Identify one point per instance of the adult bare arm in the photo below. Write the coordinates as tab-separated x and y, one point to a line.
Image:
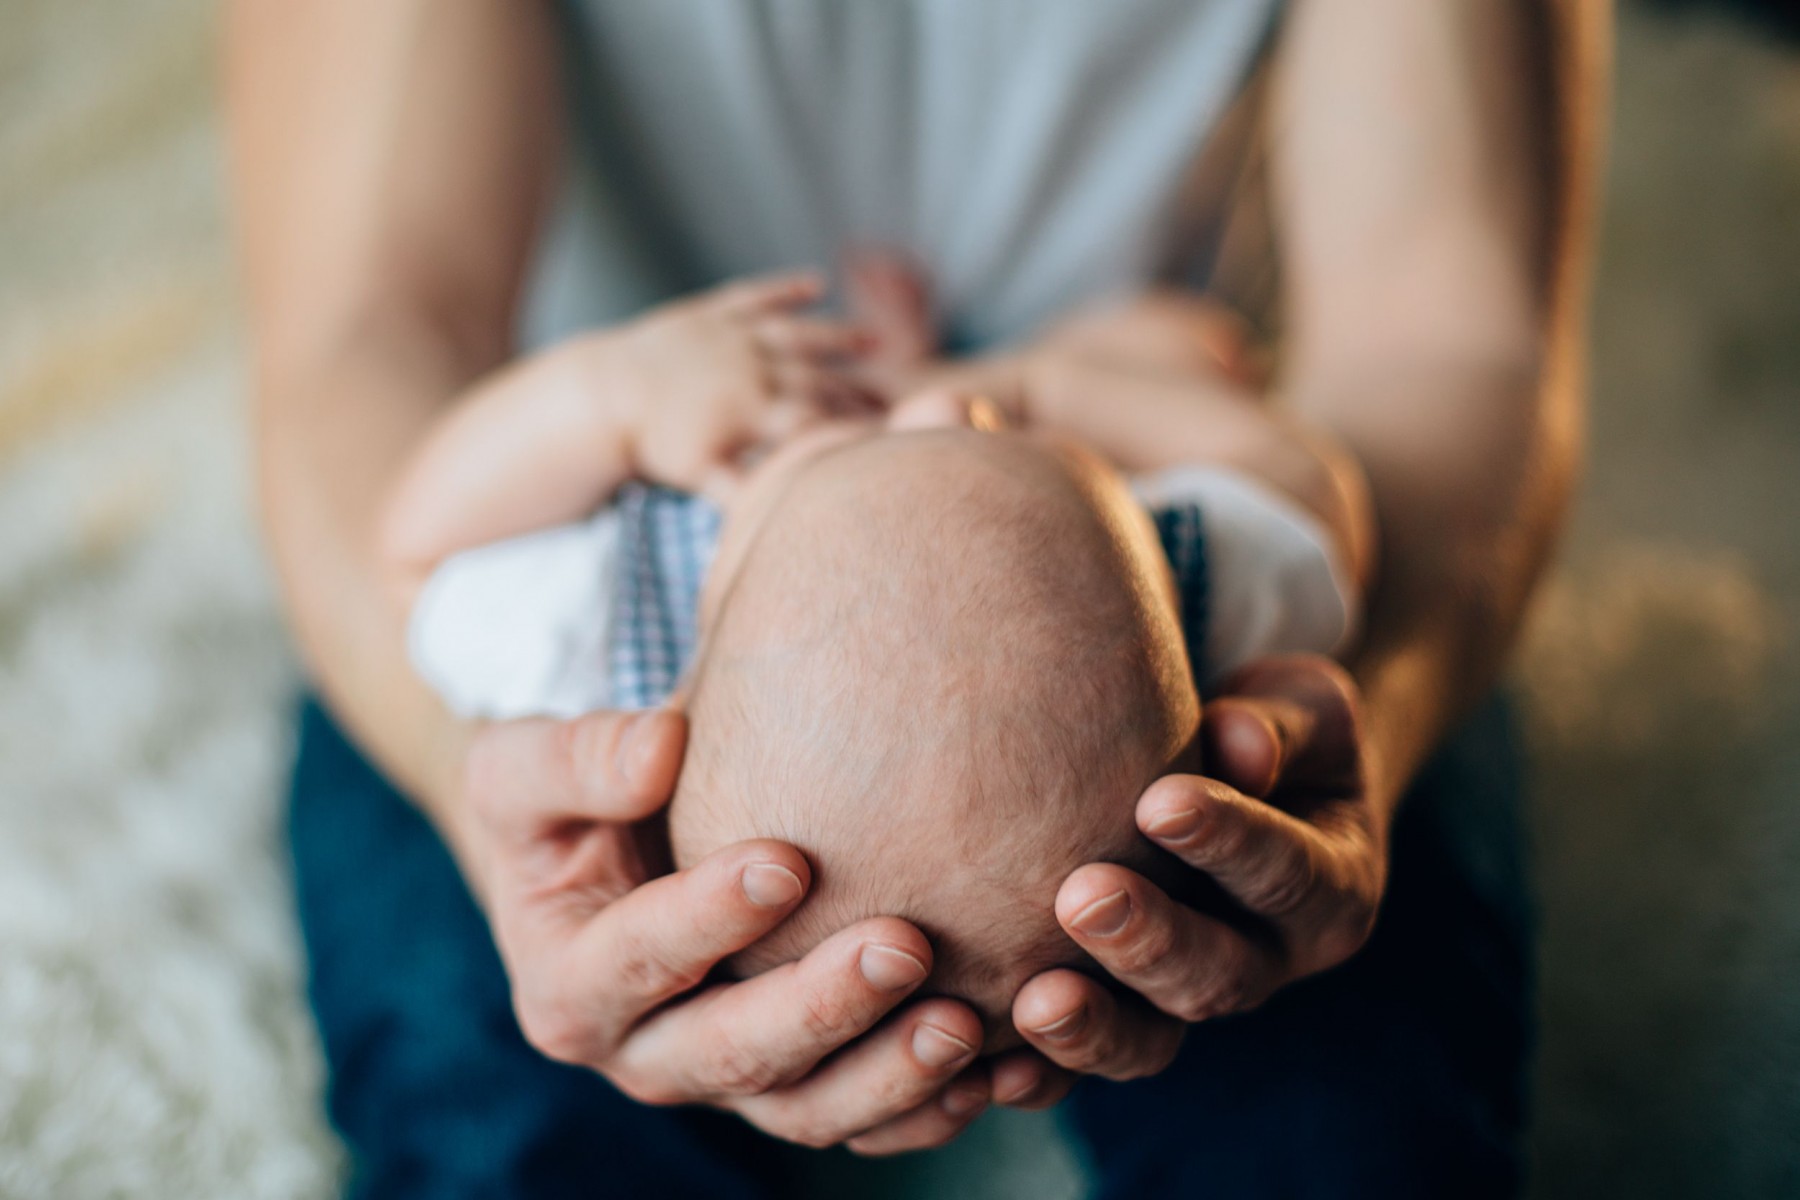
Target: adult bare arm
391	164
1433	207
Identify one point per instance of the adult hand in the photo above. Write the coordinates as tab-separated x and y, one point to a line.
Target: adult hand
607	955
1288	828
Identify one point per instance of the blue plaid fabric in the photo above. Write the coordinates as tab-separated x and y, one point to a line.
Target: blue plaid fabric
666	544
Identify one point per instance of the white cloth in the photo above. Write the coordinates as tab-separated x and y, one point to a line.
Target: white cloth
1277	582
521	628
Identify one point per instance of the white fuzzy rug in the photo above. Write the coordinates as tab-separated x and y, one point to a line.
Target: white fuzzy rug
154	1039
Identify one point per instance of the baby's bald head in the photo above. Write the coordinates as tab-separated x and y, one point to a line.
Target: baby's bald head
945	669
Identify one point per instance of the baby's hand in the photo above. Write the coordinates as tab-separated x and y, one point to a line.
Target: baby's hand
731	371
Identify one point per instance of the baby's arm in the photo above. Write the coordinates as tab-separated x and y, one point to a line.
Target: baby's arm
673	397
1158	383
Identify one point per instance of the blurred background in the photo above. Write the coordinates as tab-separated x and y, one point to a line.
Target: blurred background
153	1039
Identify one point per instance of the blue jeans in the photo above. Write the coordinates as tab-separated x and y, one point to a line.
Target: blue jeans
1398	1075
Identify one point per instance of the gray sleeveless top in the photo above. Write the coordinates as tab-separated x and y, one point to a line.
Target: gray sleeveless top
1030	154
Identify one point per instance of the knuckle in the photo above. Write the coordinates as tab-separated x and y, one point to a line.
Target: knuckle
794	1122
1344	938
1223	991
1224	838
1152	945
1153	1056
1281	888
653	1091
825	1017
1091	1053
641	971
732	1069
816	1136
587	749
554	1031
1200	1004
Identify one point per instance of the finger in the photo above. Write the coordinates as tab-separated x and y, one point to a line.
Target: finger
584	983
762	293
1083	1027
813	338
787	416
1270	862
934	1123
821	394
604	766
1189	965
892	1071
748	1037
820	389
1025	1079
1292	718
890	295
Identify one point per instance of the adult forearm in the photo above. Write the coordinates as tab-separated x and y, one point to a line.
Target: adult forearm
1470	460
390	165
332	435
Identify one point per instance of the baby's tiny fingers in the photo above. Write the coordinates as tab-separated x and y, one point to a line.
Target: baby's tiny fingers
789	289
828	392
780	420
811	337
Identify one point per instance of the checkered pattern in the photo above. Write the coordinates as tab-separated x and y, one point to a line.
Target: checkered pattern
666	544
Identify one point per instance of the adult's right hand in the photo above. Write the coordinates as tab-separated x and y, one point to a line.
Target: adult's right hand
607	958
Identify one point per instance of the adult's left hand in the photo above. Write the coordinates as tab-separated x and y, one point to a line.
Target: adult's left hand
1287	826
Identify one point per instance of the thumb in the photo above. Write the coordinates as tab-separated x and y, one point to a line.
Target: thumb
1279	718
605	766
1246	742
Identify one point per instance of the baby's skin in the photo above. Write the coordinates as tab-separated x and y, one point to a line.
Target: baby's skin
955	596
943	662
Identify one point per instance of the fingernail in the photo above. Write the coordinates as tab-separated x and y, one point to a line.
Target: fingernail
1064	1028
960	1102
1177	826
936	1048
890	968
1104	917
1019	1097
769	885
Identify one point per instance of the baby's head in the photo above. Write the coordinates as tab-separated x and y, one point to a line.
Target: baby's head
944	664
